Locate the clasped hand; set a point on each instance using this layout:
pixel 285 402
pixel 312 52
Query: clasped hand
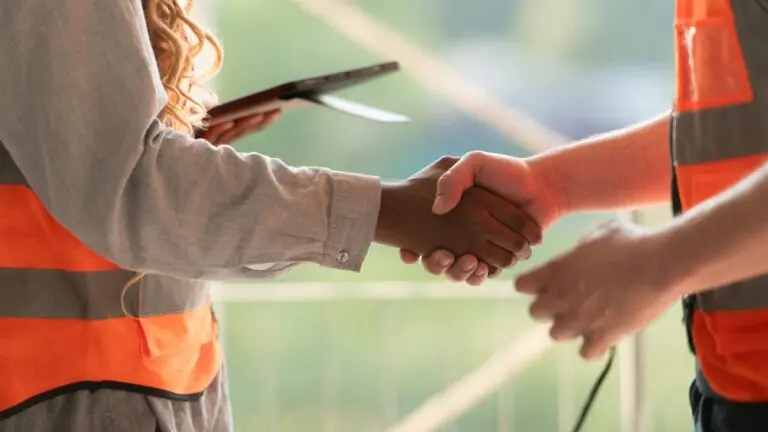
pixel 613 283
pixel 482 225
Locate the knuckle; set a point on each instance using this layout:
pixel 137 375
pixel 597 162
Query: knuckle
pixel 445 180
pixel 447 161
pixel 475 155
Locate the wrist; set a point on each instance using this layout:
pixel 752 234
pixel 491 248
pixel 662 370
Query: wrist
pixel 385 228
pixel 673 244
pixel 551 177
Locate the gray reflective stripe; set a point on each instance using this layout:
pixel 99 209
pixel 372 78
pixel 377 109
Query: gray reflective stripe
pixel 722 133
pixel 749 294
pixel 93 295
pixel 9 172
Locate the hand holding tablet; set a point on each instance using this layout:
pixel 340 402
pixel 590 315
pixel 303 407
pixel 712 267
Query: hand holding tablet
pixel 308 92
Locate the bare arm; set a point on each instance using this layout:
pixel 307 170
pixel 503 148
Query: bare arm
pixel 627 168
pixel 722 240
pixel 79 98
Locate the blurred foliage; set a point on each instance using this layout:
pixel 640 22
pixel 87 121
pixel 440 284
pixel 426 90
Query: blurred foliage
pixel 357 365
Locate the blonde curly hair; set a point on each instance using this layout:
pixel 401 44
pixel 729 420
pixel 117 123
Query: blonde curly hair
pixel 178 41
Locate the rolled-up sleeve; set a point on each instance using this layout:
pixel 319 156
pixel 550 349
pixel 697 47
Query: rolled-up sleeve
pixel 79 97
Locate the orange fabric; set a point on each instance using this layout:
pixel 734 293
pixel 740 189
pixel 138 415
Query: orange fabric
pixel 708 58
pixel 701 10
pixel 177 353
pixel 711 73
pixel 697 183
pixel 732 349
pixel 730 345
pixel 32 238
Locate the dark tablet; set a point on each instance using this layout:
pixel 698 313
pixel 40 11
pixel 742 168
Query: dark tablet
pixel 309 91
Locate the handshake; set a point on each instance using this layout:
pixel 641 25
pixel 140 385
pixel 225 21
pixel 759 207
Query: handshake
pixel 439 213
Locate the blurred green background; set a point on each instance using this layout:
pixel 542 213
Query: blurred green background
pixel 579 67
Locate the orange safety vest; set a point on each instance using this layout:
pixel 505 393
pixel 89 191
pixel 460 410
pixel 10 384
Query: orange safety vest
pixel 719 136
pixel 62 324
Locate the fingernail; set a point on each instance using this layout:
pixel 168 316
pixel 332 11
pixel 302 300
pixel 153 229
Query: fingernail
pixel 468 266
pixel 480 271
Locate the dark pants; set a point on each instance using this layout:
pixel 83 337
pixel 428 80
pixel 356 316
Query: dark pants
pixel 712 414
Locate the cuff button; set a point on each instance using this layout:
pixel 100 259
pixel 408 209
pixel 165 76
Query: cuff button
pixel 342 257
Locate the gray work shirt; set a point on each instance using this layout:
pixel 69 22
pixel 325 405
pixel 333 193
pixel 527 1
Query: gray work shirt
pixel 79 96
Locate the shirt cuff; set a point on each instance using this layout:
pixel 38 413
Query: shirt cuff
pixel 352 220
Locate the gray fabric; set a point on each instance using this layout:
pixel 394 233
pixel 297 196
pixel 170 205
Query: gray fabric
pixel 727 133
pixel 33 293
pixel 120 411
pixel 79 97
pixel 738 130
pixel 743 295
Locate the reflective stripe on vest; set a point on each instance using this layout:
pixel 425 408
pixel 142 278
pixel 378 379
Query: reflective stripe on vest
pixel 720 135
pixel 62 325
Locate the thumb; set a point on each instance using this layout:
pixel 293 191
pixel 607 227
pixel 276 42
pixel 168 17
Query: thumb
pixel 452 184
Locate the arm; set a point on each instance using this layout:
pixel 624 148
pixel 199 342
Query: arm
pixel 627 168
pixel 722 240
pixel 627 276
pixel 79 100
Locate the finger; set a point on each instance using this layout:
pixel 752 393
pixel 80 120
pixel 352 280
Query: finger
pixel 438 262
pixel 544 309
pixel 241 128
pixel 496 255
pixel 465 266
pixel 512 217
pixel 597 343
pixel 271 117
pixel 408 257
pixel 500 235
pixel 454 182
pixel 493 272
pixel 479 275
pixel 533 281
pixel 214 133
pixel 258 122
pixel 564 328
pixel 252 124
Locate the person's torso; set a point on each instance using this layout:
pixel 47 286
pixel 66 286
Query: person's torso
pixel 720 136
pixel 74 329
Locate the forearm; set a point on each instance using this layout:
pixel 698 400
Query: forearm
pixel 79 123
pixel 722 240
pixel 623 169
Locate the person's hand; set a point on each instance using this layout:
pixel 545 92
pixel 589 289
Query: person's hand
pixel 483 224
pixel 512 178
pixel 615 282
pixel 228 132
